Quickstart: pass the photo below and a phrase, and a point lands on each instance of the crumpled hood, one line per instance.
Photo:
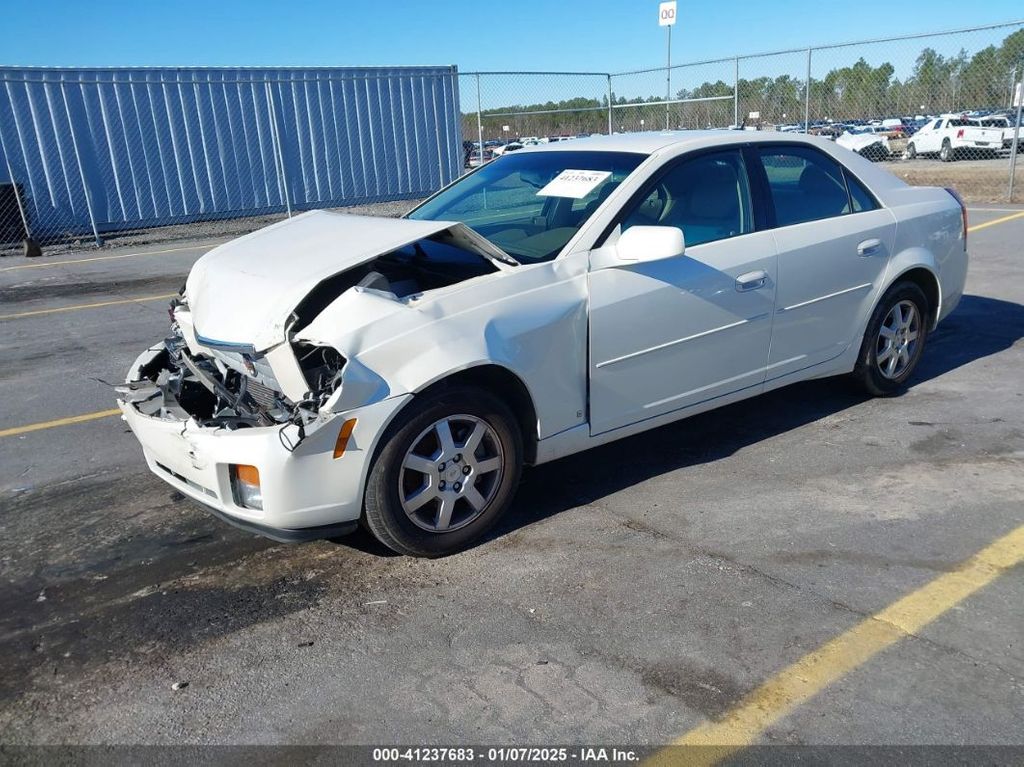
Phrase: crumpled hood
(243, 292)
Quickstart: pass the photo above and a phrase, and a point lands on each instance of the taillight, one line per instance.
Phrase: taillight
(963, 212)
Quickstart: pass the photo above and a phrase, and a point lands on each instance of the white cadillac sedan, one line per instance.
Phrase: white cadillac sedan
(334, 369)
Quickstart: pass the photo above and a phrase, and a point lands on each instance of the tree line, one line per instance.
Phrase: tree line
(936, 84)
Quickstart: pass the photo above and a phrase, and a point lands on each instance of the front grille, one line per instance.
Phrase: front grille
(264, 396)
(254, 367)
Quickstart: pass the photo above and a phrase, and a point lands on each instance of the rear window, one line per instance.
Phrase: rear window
(861, 198)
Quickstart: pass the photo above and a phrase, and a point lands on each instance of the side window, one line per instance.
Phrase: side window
(861, 197)
(805, 184)
(708, 197)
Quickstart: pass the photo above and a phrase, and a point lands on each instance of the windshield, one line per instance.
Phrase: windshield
(530, 204)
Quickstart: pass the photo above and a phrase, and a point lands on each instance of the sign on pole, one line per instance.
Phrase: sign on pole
(667, 13)
(1016, 95)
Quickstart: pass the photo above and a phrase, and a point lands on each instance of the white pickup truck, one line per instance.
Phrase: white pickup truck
(1001, 123)
(953, 137)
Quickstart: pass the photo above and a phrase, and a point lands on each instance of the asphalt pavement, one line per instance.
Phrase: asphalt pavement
(635, 593)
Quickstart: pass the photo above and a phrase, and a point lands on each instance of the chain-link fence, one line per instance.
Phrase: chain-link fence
(90, 154)
(512, 108)
(919, 101)
(87, 154)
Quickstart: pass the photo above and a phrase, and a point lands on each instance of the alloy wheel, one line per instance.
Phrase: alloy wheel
(898, 339)
(451, 473)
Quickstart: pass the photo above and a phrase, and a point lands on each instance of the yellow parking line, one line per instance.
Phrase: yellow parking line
(42, 264)
(15, 431)
(995, 221)
(801, 681)
(37, 312)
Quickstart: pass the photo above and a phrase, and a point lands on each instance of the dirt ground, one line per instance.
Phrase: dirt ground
(975, 180)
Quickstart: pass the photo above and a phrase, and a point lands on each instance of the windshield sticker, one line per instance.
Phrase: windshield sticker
(574, 183)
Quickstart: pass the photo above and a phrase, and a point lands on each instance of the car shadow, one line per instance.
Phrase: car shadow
(980, 327)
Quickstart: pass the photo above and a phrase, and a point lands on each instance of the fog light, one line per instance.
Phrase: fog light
(245, 484)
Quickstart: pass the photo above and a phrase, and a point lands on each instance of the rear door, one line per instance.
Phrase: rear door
(834, 242)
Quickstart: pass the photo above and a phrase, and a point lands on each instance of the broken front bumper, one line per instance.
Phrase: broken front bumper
(307, 492)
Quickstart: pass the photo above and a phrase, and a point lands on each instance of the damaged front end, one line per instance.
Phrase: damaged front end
(297, 326)
(228, 387)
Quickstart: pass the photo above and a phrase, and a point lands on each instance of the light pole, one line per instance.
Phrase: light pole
(667, 19)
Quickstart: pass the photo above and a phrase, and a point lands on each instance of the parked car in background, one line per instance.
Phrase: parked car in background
(875, 142)
(478, 158)
(831, 131)
(511, 146)
(952, 138)
(331, 368)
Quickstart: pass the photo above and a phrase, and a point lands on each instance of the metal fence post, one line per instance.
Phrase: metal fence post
(86, 189)
(479, 121)
(736, 93)
(1015, 146)
(609, 105)
(807, 95)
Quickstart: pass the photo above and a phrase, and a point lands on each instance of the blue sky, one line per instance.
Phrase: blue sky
(599, 35)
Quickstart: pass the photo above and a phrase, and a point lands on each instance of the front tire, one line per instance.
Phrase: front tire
(446, 472)
(894, 340)
(911, 151)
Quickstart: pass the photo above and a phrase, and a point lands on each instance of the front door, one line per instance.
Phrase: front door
(670, 334)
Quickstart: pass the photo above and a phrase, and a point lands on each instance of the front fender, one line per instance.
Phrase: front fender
(531, 321)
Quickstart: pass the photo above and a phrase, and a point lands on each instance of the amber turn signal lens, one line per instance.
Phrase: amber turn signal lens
(343, 435)
(250, 475)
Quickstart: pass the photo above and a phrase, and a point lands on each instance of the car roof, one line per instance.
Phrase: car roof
(651, 142)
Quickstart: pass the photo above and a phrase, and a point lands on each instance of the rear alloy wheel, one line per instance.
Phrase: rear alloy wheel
(946, 153)
(445, 473)
(894, 340)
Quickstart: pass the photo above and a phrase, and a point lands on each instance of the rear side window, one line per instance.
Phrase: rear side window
(707, 196)
(805, 185)
(860, 197)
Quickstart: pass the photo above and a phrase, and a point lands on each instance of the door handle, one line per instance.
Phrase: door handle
(869, 248)
(751, 280)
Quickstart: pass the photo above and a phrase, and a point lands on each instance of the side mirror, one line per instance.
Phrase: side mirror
(640, 244)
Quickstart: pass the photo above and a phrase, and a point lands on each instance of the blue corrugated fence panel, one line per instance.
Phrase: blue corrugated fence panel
(145, 147)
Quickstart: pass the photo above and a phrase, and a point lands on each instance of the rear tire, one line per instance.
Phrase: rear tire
(446, 472)
(894, 340)
(946, 154)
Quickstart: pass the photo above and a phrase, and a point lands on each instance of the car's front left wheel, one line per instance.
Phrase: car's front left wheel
(446, 472)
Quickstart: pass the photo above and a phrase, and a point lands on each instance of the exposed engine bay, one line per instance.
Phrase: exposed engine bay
(232, 386)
